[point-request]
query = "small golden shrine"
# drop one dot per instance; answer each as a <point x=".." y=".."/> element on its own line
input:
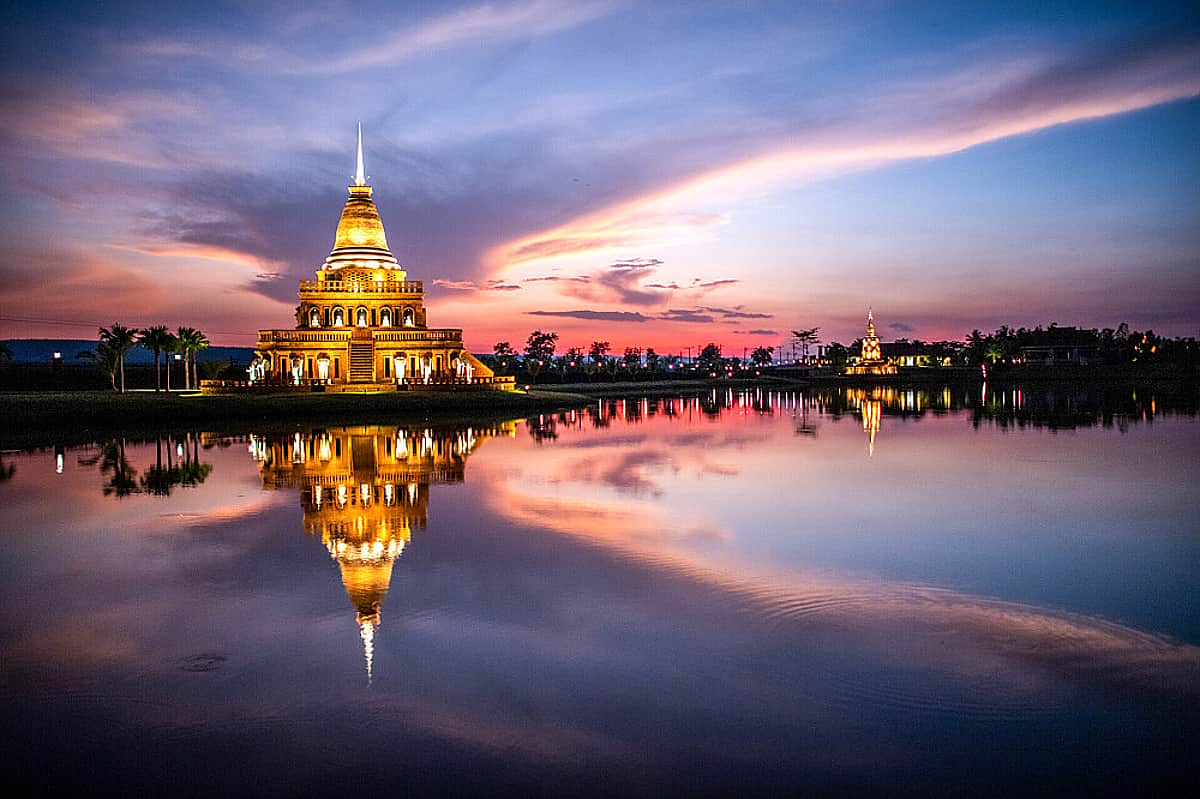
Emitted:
<point x="871" y="361"/>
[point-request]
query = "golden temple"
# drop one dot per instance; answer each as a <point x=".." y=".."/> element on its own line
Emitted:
<point x="870" y="360"/>
<point x="361" y="325"/>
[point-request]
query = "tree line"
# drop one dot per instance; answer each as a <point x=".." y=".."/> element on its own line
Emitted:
<point x="1119" y="346"/>
<point x="539" y="361"/>
<point x="116" y="341"/>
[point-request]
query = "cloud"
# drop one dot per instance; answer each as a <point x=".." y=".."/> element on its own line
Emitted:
<point x="636" y="263"/>
<point x="456" y="285"/>
<point x="575" y="278"/>
<point x="475" y="26"/>
<point x="1020" y="95"/>
<point x="470" y="285"/>
<point x="759" y="332"/>
<point x="736" y="313"/>
<point x="681" y="315"/>
<point x="901" y="327"/>
<point x="598" y="316"/>
<point x="91" y="283"/>
<point x="696" y="285"/>
<point x="624" y="282"/>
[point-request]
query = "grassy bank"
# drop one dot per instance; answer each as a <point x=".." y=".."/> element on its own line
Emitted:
<point x="75" y="417"/>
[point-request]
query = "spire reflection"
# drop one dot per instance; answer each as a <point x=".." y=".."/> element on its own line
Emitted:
<point x="364" y="490"/>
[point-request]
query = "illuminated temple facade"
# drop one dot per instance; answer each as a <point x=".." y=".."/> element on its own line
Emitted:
<point x="361" y="325"/>
<point x="363" y="491"/>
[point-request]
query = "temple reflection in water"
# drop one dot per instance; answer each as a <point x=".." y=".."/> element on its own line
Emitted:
<point x="364" y="490"/>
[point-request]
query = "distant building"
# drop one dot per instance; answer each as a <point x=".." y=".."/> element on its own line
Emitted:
<point x="361" y="325"/>
<point x="913" y="355"/>
<point x="1060" y="345"/>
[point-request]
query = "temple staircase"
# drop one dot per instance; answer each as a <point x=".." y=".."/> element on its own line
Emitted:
<point x="362" y="361"/>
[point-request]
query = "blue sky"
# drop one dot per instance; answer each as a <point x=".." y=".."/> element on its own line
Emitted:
<point x="648" y="174"/>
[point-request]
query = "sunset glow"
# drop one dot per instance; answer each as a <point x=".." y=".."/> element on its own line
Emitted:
<point x="650" y="176"/>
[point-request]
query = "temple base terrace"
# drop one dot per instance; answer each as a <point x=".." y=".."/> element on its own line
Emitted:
<point x="317" y="385"/>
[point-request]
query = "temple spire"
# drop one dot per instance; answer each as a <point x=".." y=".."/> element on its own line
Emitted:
<point x="360" y="174"/>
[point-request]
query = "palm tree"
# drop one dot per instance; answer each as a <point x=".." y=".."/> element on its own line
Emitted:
<point x="184" y="336"/>
<point x="157" y="339"/>
<point x="762" y="356"/>
<point x="170" y="348"/>
<point x="118" y="339"/>
<point x="200" y="342"/>
<point x="105" y="359"/>
<point x="805" y="338"/>
<point x="191" y="341"/>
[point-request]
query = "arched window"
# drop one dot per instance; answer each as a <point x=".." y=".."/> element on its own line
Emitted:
<point x="314" y="317"/>
<point x="409" y="317"/>
<point x="361" y="320"/>
<point x="385" y="318"/>
<point x="338" y="319"/>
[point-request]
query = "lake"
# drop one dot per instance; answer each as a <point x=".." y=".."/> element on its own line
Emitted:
<point x="850" y="590"/>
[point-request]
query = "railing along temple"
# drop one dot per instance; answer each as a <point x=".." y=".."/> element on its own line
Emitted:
<point x="364" y="286"/>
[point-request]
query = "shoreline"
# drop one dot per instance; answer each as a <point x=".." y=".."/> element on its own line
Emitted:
<point x="34" y="418"/>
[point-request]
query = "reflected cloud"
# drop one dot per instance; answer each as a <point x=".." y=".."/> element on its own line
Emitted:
<point x="986" y="631"/>
<point x="681" y="538"/>
<point x="546" y="614"/>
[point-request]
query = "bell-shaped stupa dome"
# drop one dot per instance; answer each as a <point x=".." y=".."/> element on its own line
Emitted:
<point x="360" y="240"/>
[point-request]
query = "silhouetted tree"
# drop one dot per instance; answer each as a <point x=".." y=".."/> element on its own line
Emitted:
<point x="506" y="356"/>
<point x="762" y="355"/>
<point x="710" y="359"/>
<point x="540" y="345"/>
<point x="118" y="339"/>
<point x="805" y="338"/>
<point x="156" y="339"/>
<point x="105" y="359"/>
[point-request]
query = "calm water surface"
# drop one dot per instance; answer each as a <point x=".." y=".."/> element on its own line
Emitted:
<point x="863" y="591"/>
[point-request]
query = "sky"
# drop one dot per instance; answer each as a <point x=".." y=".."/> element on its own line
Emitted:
<point x="648" y="174"/>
